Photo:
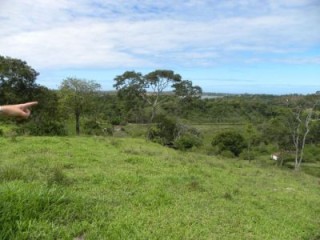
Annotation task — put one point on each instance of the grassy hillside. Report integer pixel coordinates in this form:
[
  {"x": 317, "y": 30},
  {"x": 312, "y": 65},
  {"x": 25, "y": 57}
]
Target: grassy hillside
[{"x": 123, "y": 188}]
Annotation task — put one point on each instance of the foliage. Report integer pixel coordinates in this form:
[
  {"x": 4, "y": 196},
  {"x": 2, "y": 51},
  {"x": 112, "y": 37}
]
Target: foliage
[
  {"x": 276, "y": 132},
  {"x": 17, "y": 81},
  {"x": 229, "y": 141},
  {"x": 187, "y": 141},
  {"x": 186, "y": 90},
  {"x": 187, "y": 137},
  {"x": 314, "y": 136},
  {"x": 133, "y": 86},
  {"x": 247, "y": 155},
  {"x": 45, "y": 127},
  {"x": 46, "y": 119},
  {"x": 227, "y": 154},
  {"x": 164, "y": 132},
  {"x": 94, "y": 127},
  {"x": 169, "y": 132},
  {"x": 76, "y": 96}
]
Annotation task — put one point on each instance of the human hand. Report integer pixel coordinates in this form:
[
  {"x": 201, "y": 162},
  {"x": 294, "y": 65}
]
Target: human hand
[{"x": 18, "y": 110}]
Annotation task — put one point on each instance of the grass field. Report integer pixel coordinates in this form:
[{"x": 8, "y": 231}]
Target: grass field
[{"x": 126, "y": 188}]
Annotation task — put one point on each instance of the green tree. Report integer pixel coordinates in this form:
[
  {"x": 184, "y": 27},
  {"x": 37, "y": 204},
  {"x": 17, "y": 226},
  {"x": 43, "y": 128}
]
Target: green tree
[
  {"x": 46, "y": 118},
  {"x": 186, "y": 90},
  {"x": 188, "y": 95},
  {"x": 17, "y": 80},
  {"x": 130, "y": 86},
  {"x": 76, "y": 95},
  {"x": 148, "y": 88},
  {"x": 158, "y": 81}
]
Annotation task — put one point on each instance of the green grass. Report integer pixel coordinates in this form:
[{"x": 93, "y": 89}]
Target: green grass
[{"x": 124, "y": 188}]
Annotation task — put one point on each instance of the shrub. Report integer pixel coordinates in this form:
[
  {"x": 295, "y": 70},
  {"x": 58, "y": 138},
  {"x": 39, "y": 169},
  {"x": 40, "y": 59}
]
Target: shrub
[
  {"x": 265, "y": 149},
  {"x": 164, "y": 132},
  {"x": 187, "y": 138},
  {"x": 170, "y": 133},
  {"x": 43, "y": 128},
  {"x": 116, "y": 121},
  {"x": 187, "y": 141},
  {"x": 93, "y": 127},
  {"x": 227, "y": 154},
  {"x": 247, "y": 155},
  {"x": 230, "y": 141},
  {"x": 312, "y": 153}
]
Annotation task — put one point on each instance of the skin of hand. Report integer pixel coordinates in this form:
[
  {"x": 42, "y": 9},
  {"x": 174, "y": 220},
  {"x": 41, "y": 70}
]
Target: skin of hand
[{"x": 18, "y": 110}]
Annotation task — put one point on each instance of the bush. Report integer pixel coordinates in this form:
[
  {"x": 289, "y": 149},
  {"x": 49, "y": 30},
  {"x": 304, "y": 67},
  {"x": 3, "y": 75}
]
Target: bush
[
  {"x": 229, "y": 141},
  {"x": 169, "y": 133},
  {"x": 247, "y": 155},
  {"x": 227, "y": 154},
  {"x": 93, "y": 127},
  {"x": 43, "y": 128},
  {"x": 187, "y": 141},
  {"x": 187, "y": 138},
  {"x": 265, "y": 148},
  {"x": 311, "y": 153},
  {"x": 164, "y": 132}
]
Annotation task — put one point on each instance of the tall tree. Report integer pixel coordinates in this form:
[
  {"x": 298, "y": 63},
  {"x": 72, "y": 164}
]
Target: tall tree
[
  {"x": 158, "y": 81},
  {"x": 148, "y": 87},
  {"x": 17, "y": 80},
  {"x": 186, "y": 90},
  {"x": 76, "y": 95},
  {"x": 188, "y": 96},
  {"x": 130, "y": 86}
]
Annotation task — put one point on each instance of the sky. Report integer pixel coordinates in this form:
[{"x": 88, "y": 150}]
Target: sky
[{"x": 224, "y": 46}]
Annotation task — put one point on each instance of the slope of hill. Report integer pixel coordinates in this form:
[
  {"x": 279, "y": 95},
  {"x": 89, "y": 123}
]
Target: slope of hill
[{"x": 124, "y": 188}]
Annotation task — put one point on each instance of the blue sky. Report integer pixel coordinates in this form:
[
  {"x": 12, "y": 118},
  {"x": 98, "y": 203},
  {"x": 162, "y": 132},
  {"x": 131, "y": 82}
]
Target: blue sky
[{"x": 233, "y": 46}]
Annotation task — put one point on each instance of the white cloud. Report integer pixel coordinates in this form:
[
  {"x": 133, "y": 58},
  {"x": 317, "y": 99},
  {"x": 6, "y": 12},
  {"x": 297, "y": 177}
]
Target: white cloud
[{"x": 64, "y": 33}]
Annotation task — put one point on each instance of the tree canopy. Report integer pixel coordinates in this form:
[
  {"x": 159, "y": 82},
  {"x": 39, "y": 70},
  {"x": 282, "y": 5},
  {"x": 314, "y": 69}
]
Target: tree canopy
[
  {"x": 17, "y": 80},
  {"x": 133, "y": 85},
  {"x": 76, "y": 95}
]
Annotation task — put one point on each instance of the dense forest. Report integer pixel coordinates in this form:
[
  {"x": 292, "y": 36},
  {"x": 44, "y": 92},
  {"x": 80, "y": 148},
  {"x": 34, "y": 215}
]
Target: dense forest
[{"x": 163, "y": 107}]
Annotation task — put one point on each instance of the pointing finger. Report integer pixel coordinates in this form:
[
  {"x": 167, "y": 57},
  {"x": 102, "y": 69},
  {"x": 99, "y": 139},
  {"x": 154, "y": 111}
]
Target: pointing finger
[{"x": 29, "y": 104}]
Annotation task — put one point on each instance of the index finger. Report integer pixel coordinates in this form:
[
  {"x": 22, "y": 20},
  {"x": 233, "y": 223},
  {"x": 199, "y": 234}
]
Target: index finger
[{"x": 29, "y": 104}]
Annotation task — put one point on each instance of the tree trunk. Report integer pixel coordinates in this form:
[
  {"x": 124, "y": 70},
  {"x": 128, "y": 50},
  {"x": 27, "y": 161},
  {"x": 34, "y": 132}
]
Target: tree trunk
[{"x": 78, "y": 122}]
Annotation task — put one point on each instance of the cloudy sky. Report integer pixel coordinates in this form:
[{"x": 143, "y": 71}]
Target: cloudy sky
[{"x": 235, "y": 46}]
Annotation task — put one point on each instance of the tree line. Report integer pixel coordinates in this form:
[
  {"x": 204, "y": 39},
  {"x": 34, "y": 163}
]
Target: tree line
[{"x": 168, "y": 104}]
